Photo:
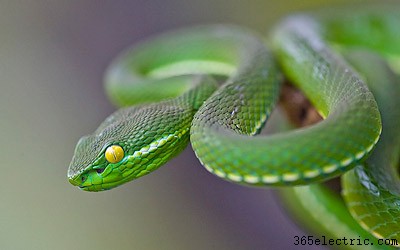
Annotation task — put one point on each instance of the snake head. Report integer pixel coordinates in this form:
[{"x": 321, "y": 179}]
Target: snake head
[
  {"x": 100, "y": 163},
  {"x": 130, "y": 143}
]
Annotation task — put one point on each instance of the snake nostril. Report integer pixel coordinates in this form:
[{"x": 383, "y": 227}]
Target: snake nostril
[
  {"x": 83, "y": 178},
  {"x": 100, "y": 170}
]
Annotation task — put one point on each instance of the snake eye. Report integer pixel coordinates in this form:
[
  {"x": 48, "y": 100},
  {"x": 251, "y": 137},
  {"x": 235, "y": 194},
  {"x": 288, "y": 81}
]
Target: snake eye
[{"x": 114, "y": 154}]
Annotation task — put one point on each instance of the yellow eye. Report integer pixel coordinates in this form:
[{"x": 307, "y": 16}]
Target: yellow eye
[{"x": 114, "y": 154}]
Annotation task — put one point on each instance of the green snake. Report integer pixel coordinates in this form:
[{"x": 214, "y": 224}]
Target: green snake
[{"x": 216, "y": 86}]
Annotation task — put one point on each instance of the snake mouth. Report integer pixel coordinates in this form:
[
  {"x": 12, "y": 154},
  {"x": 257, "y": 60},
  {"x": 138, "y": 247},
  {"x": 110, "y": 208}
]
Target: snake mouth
[
  {"x": 78, "y": 181},
  {"x": 75, "y": 181},
  {"x": 93, "y": 188},
  {"x": 86, "y": 188},
  {"x": 97, "y": 187}
]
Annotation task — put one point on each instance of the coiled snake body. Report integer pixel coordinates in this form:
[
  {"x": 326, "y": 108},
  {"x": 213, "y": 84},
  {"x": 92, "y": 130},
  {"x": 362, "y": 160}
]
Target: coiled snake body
[{"x": 217, "y": 85}]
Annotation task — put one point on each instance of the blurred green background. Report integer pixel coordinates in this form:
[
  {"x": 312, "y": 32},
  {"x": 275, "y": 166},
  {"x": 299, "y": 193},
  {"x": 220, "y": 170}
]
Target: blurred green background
[{"x": 52, "y": 58}]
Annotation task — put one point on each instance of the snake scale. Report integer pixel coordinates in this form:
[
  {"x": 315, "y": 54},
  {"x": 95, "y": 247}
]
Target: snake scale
[{"x": 217, "y": 85}]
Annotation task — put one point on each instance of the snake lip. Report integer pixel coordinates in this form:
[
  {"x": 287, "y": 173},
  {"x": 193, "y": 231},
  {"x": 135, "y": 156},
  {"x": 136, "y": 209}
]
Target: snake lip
[
  {"x": 86, "y": 188},
  {"x": 92, "y": 188},
  {"x": 74, "y": 181}
]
